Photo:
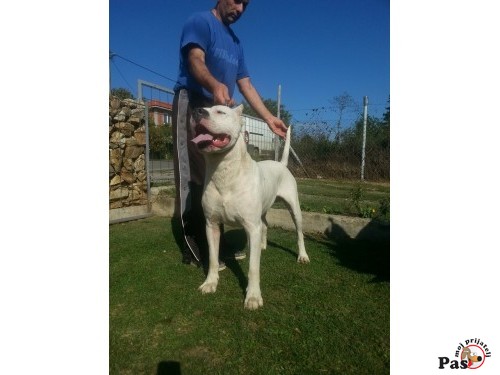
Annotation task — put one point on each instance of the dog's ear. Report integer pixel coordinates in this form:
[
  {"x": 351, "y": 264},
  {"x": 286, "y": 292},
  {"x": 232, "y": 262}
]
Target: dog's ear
[
  {"x": 239, "y": 109},
  {"x": 465, "y": 353}
]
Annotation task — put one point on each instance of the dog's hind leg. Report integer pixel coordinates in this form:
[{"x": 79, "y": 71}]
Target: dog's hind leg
[
  {"x": 297, "y": 219},
  {"x": 213, "y": 237},
  {"x": 253, "y": 298},
  {"x": 263, "y": 235},
  {"x": 292, "y": 201}
]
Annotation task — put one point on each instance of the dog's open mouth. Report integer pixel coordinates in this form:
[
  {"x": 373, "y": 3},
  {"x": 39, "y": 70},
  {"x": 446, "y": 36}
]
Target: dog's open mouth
[{"x": 205, "y": 138}]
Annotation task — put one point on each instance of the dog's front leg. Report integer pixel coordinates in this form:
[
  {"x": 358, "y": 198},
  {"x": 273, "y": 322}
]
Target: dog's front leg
[
  {"x": 253, "y": 299},
  {"x": 213, "y": 238}
]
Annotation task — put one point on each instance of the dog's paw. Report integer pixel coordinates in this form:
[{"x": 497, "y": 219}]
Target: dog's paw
[
  {"x": 208, "y": 287},
  {"x": 253, "y": 302},
  {"x": 304, "y": 259},
  {"x": 263, "y": 244}
]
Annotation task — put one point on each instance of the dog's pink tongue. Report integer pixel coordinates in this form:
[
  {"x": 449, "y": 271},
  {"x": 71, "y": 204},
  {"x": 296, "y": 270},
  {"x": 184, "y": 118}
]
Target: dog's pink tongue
[{"x": 202, "y": 137}]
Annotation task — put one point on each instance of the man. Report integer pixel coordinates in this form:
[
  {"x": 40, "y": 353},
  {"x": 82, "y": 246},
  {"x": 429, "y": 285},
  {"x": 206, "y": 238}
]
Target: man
[{"x": 212, "y": 63}]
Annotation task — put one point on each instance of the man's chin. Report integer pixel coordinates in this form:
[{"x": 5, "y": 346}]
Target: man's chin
[{"x": 231, "y": 19}]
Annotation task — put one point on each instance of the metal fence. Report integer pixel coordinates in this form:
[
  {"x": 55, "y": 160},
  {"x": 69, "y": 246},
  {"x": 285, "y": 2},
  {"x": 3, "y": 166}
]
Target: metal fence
[
  {"x": 319, "y": 149},
  {"x": 161, "y": 171},
  {"x": 304, "y": 163},
  {"x": 358, "y": 152}
]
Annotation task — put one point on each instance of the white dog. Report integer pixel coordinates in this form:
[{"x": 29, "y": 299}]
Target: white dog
[{"x": 239, "y": 191}]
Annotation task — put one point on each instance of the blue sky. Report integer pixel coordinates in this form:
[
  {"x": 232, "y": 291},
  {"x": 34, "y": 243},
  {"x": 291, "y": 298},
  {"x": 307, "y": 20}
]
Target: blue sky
[{"x": 316, "y": 50}]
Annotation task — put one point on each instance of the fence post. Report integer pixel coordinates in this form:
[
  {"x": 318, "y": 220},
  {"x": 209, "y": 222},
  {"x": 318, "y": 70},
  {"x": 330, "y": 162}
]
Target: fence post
[
  {"x": 365, "y": 117},
  {"x": 146, "y": 152},
  {"x": 276, "y": 138}
]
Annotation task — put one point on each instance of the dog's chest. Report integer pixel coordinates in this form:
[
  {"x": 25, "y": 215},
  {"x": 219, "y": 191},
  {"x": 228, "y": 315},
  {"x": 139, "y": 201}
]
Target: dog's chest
[
  {"x": 231, "y": 197},
  {"x": 232, "y": 190},
  {"x": 222, "y": 206}
]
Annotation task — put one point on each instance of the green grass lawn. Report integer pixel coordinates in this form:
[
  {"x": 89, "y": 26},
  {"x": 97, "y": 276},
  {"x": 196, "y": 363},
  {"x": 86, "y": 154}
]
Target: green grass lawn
[
  {"x": 328, "y": 317},
  {"x": 351, "y": 198},
  {"x": 344, "y": 197}
]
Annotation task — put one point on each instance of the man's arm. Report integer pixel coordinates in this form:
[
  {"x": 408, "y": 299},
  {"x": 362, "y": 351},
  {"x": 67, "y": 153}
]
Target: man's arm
[
  {"x": 199, "y": 70},
  {"x": 253, "y": 98}
]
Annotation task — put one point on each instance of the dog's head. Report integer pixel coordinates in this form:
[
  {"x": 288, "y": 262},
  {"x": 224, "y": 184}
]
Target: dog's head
[
  {"x": 471, "y": 356},
  {"x": 217, "y": 128}
]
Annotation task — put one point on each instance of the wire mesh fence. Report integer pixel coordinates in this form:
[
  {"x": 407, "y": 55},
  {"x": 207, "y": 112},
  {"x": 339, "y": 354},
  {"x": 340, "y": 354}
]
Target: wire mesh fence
[
  {"x": 315, "y": 153},
  {"x": 320, "y": 149},
  {"x": 327, "y": 150}
]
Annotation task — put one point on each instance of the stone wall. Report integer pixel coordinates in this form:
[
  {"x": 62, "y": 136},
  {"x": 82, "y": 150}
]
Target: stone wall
[{"x": 127, "y": 159}]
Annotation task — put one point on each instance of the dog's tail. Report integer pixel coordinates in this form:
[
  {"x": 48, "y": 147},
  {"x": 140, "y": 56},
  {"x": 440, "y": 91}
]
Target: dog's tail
[{"x": 286, "y": 149}]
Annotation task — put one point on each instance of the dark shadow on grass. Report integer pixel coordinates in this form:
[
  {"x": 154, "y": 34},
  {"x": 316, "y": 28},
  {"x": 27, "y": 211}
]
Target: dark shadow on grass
[
  {"x": 235, "y": 268},
  {"x": 232, "y": 240},
  {"x": 366, "y": 253},
  {"x": 274, "y": 244},
  {"x": 178, "y": 233},
  {"x": 280, "y": 247},
  {"x": 236, "y": 240},
  {"x": 168, "y": 368}
]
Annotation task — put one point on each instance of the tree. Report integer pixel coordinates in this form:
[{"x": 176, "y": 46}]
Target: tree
[
  {"x": 160, "y": 140},
  {"x": 341, "y": 104},
  {"x": 122, "y": 93},
  {"x": 387, "y": 114},
  {"x": 272, "y": 106}
]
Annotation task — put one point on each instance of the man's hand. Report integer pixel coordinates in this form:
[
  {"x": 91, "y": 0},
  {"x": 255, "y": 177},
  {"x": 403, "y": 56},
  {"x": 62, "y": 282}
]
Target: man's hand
[
  {"x": 277, "y": 126},
  {"x": 221, "y": 95}
]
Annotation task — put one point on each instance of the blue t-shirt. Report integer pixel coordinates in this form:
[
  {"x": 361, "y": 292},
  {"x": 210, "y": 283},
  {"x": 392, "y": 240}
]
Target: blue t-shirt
[{"x": 223, "y": 53}]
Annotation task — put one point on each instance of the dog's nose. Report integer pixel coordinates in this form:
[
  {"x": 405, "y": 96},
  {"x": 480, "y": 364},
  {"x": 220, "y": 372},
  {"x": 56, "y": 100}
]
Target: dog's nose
[{"x": 479, "y": 358}]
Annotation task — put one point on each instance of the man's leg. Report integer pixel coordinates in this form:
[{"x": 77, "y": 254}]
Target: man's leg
[
  {"x": 189, "y": 173},
  {"x": 189, "y": 220}
]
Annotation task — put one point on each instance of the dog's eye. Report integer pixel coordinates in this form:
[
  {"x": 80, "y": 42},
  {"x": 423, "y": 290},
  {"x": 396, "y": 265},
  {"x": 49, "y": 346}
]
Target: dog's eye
[{"x": 219, "y": 112}]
